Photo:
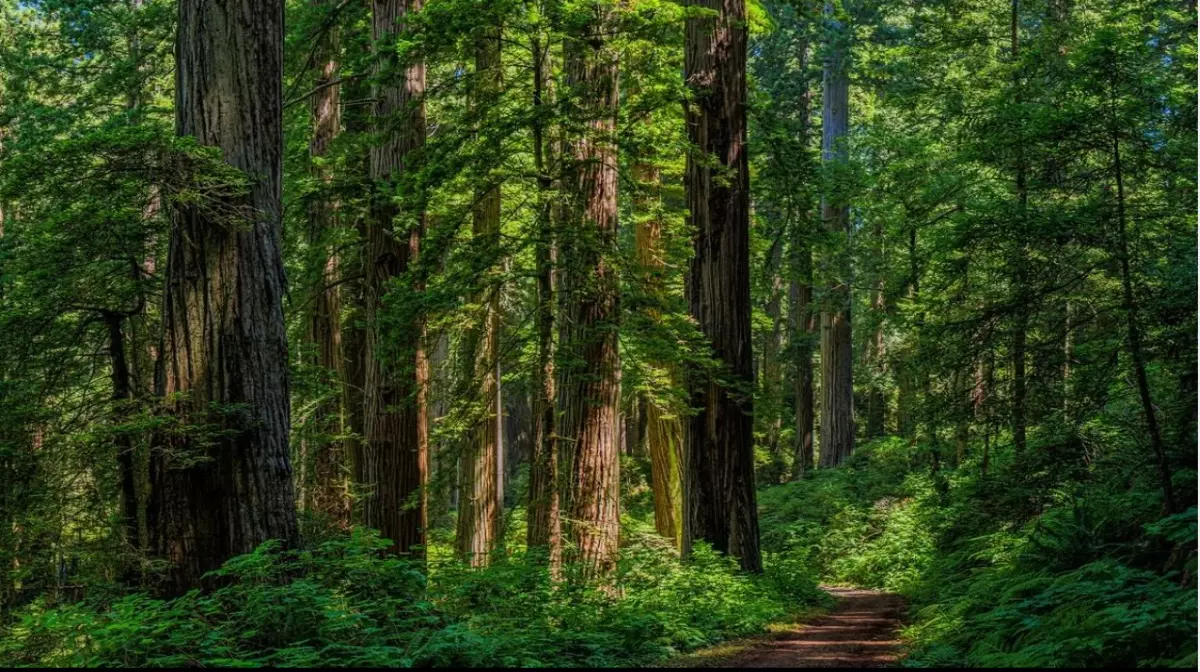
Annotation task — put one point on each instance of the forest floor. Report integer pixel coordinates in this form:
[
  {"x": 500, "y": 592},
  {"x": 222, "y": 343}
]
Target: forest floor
[{"x": 860, "y": 630}]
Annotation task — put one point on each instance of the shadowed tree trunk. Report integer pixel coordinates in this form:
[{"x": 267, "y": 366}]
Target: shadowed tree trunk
[
  {"x": 1133, "y": 331},
  {"x": 479, "y": 504},
  {"x": 224, "y": 345},
  {"x": 837, "y": 387},
  {"x": 1020, "y": 261},
  {"x": 803, "y": 328},
  {"x": 543, "y": 530},
  {"x": 589, "y": 366},
  {"x": 122, "y": 394},
  {"x": 719, "y": 452},
  {"x": 394, "y": 464},
  {"x": 772, "y": 383},
  {"x": 327, "y": 491},
  {"x": 801, "y": 317}
]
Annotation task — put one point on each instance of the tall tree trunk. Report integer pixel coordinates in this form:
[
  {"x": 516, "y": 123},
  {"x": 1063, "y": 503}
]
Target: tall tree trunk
[
  {"x": 543, "y": 529},
  {"x": 1136, "y": 354},
  {"x": 395, "y": 455},
  {"x": 802, "y": 323},
  {"x": 719, "y": 449},
  {"x": 589, "y": 361},
  {"x": 479, "y": 507},
  {"x": 225, "y": 347},
  {"x": 837, "y": 367},
  {"x": 327, "y": 492},
  {"x": 1021, "y": 321},
  {"x": 353, "y": 297}
]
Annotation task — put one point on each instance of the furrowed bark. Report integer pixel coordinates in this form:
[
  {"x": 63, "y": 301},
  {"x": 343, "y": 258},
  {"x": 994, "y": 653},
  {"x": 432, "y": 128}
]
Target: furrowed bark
[
  {"x": 224, "y": 345},
  {"x": 394, "y": 465},
  {"x": 719, "y": 451},
  {"x": 479, "y": 507},
  {"x": 327, "y": 491},
  {"x": 543, "y": 529},
  {"x": 589, "y": 366},
  {"x": 837, "y": 387}
]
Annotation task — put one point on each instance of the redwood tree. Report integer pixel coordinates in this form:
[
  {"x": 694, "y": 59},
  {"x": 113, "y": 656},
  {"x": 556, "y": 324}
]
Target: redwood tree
[
  {"x": 393, "y": 465},
  {"x": 480, "y": 496},
  {"x": 326, "y": 488},
  {"x": 225, "y": 486},
  {"x": 719, "y": 453},
  {"x": 589, "y": 362},
  {"x": 837, "y": 388}
]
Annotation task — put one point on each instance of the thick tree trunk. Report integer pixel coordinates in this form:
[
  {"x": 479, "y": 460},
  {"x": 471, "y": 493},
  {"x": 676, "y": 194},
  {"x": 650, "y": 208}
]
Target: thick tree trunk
[
  {"x": 589, "y": 361},
  {"x": 721, "y": 507},
  {"x": 225, "y": 348},
  {"x": 479, "y": 504},
  {"x": 327, "y": 490},
  {"x": 837, "y": 387},
  {"x": 394, "y": 464}
]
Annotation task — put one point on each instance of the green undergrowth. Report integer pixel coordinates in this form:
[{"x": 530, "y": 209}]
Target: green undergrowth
[
  {"x": 1063, "y": 558},
  {"x": 341, "y": 603}
]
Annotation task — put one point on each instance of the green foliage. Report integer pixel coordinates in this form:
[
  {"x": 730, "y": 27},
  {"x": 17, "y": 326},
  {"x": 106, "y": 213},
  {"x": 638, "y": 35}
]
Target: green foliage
[
  {"x": 343, "y": 604},
  {"x": 1041, "y": 564}
]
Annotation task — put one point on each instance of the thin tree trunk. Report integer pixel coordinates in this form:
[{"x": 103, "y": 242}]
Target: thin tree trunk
[
  {"x": 327, "y": 492},
  {"x": 1136, "y": 353},
  {"x": 876, "y": 356},
  {"x": 225, "y": 344},
  {"x": 589, "y": 361},
  {"x": 719, "y": 450},
  {"x": 122, "y": 394},
  {"x": 803, "y": 331},
  {"x": 543, "y": 529},
  {"x": 480, "y": 503},
  {"x": 802, "y": 318},
  {"x": 772, "y": 366},
  {"x": 395, "y": 456},
  {"x": 837, "y": 387},
  {"x": 1021, "y": 300}
]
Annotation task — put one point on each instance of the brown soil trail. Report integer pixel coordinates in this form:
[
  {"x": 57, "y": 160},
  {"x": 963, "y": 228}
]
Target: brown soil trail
[{"x": 860, "y": 631}]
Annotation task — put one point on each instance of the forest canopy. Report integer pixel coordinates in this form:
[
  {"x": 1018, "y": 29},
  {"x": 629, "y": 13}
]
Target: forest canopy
[{"x": 594, "y": 333}]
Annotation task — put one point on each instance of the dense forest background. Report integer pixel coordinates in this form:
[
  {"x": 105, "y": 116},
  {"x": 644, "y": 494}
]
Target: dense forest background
[{"x": 585, "y": 333}]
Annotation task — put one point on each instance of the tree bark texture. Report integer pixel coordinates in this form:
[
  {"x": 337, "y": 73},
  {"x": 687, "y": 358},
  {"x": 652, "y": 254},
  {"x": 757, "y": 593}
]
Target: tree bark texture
[
  {"x": 589, "y": 366},
  {"x": 479, "y": 504},
  {"x": 227, "y": 488},
  {"x": 719, "y": 450},
  {"x": 837, "y": 387},
  {"x": 802, "y": 317},
  {"x": 395, "y": 451},
  {"x": 327, "y": 491},
  {"x": 543, "y": 530}
]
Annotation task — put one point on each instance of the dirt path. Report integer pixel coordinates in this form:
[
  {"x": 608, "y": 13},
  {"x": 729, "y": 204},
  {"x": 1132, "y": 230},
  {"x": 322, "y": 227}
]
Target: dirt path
[{"x": 860, "y": 631}]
